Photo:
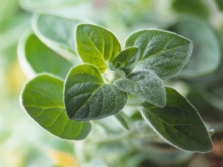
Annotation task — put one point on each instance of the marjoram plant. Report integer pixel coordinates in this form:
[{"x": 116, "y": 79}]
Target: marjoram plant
[{"x": 68, "y": 95}]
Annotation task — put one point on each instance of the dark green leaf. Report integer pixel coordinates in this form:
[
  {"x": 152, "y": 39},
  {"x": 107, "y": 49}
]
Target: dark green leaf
[
  {"x": 198, "y": 8},
  {"x": 214, "y": 95},
  {"x": 178, "y": 123},
  {"x": 87, "y": 97},
  {"x": 220, "y": 4},
  {"x": 42, "y": 98},
  {"x": 144, "y": 84},
  {"x": 206, "y": 54},
  {"x": 164, "y": 52},
  {"x": 56, "y": 32},
  {"x": 36, "y": 57},
  {"x": 95, "y": 45},
  {"x": 126, "y": 60}
]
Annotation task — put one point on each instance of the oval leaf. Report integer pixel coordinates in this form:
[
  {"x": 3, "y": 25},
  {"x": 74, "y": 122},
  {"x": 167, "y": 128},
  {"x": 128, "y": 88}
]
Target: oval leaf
[
  {"x": 126, "y": 60},
  {"x": 37, "y": 57},
  {"x": 95, "y": 45},
  {"x": 42, "y": 98},
  {"x": 144, "y": 84},
  {"x": 219, "y": 4},
  {"x": 88, "y": 98},
  {"x": 214, "y": 95},
  {"x": 56, "y": 32},
  {"x": 197, "y": 8},
  {"x": 164, "y": 52},
  {"x": 178, "y": 123},
  {"x": 206, "y": 54}
]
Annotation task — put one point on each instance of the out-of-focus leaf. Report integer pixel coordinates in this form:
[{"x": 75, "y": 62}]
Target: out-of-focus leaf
[
  {"x": 42, "y": 98},
  {"x": 178, "y": 123},
  {"x": 62, "y": 159},
  {"x": 123, "y": 120},
  {"x": 214, "y": 95},
  {"x": 32, "y": 5},
  {"x": 87, "y": 97},
  {"x": 35, "y": 56},
  {"x": 220, "y": 4},
  {"x": 198, "y": 8},
  {"x": 206, "y": 50},
  {"x": 56, "y": 32},
  {"x": 8, "y": 9},
  {"x": 164, "y": 52},
  {"x": 96, "y": 45}
]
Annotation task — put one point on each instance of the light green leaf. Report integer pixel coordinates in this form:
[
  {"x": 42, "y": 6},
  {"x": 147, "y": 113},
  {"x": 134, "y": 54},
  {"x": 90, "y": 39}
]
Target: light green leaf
[
  {"x": 178, "y": 123},
  {"x": 87, "y": 97},
  {"x": 35, "y": 57},
  {"x": 144, "y": 84},
  {"x": 197, "y": 8},
  {"x": 206, "y": 54},
  {"x": 164, "y": 52},
  {"x": 42, "y": 98},
  {"x": 123, "y": 120},
  {"x": 126, "y": 60},
  {"x": 95, "y": 45},
  {"x": 56, "y": 32}
]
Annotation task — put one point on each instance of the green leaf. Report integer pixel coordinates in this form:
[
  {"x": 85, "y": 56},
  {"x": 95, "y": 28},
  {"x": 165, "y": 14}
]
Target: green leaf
[
  {"x": 56, "y": 32},
  {"x": 164, "y": 52},
  {"x": 197, "y": 8},
  {"x": 220, "y": 4},
  {"x": 206, "y": 54},
  {"x": 144, "y": 84},
  {"x": 123, "y": 120},
  {"x": 96, "y": 45},
  {"x": 87, "y": 97},
  {"x": 42, "y": 98},
  {"x": 35, "y": 57},
  {"x": 214, "y": 95},
  {"x": 178, "y": 123},
  {"x": 126, "y": 60}
]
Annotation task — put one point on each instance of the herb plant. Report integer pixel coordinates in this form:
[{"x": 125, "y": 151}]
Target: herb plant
[{"x": 69, "y": 94}]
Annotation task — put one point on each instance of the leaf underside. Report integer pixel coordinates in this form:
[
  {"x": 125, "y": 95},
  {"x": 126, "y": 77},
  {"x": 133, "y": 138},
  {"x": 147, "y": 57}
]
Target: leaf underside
[{"x": 56, "y": 32}]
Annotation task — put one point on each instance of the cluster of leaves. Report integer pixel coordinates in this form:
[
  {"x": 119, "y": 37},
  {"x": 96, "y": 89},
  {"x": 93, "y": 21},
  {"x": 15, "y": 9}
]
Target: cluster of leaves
[{"x": 71, "y": 93}]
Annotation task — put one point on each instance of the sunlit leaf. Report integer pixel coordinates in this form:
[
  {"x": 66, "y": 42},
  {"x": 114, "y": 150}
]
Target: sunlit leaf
[
  {"x": 36, "y": 57},
  {"x": 96, "y": 45},
  {"x": 178, "y": 123},
  {"x": 42, "y": 98},
  {"x": 144, "y": 84},
  {"x": 164, "y": 52},
  {"x": 87, "y": 97},
  {"x": 206, "y": 53}
]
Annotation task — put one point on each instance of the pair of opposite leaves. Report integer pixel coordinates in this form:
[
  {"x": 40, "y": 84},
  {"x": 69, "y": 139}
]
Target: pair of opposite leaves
[{"x": 87, "y": 97}]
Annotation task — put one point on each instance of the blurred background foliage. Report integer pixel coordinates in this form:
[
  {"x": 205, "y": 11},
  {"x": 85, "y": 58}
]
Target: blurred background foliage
[{"x": 23, "y": 143}]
